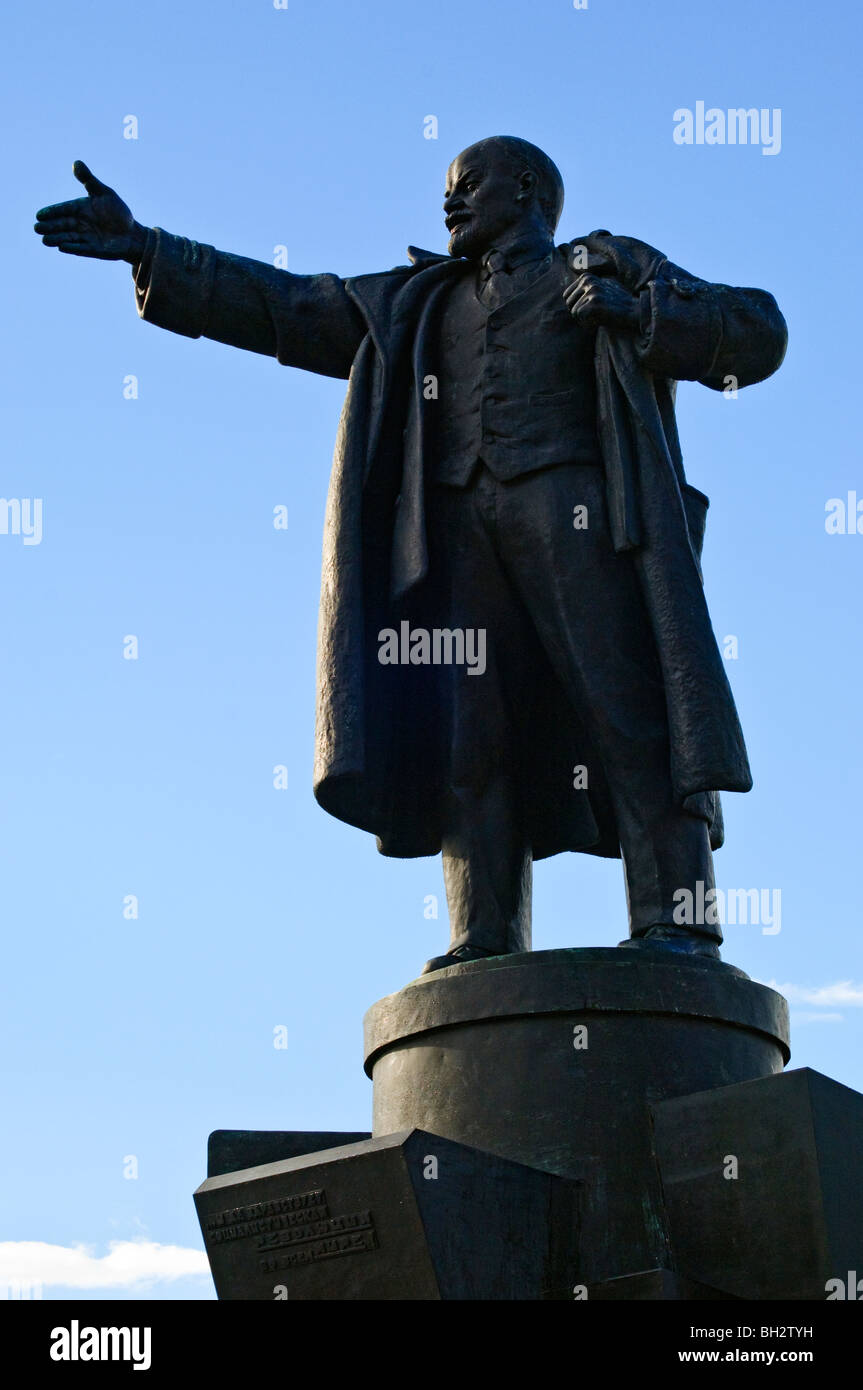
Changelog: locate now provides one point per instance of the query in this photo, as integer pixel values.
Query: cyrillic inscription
(237, 1222)
(300, 1226)
(333, 1225)
(351, 1244)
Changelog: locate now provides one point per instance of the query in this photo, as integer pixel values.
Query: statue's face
(482, 202)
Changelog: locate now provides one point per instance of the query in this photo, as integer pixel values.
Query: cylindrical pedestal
(553, 1058)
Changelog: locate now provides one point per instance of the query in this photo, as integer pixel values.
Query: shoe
(460, 956)
(677, 939)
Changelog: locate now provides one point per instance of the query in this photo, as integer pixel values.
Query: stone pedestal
(607, 1124)
(554, 1058)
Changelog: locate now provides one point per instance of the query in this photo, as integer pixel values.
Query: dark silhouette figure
(515, 653)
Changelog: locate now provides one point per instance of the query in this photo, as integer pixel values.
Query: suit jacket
(375, 765)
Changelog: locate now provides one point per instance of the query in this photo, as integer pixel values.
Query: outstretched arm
(306, 321)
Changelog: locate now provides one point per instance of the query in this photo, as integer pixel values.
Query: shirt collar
(526, 251)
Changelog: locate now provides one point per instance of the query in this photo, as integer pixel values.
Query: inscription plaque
(419, 1216)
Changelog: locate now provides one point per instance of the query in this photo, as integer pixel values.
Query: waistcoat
(516, 386)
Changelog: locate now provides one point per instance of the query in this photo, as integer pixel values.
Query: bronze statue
(515, 653)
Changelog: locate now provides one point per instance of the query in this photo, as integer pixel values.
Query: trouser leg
(487, 870)
(589, 612)
(487, 862)
(664, 850)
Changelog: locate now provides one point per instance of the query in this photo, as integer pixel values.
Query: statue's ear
(527, 186)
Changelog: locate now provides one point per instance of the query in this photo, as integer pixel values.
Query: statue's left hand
(596, 300)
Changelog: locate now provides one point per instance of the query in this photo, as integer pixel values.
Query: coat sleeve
(692, 330)
(306, 321)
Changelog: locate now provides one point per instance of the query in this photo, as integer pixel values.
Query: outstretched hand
(100, 225)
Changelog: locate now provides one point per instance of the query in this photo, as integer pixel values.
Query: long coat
(378, 761)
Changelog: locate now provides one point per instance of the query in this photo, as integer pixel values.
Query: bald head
(498, 188)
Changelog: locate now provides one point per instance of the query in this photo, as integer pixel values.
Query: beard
(472, 238)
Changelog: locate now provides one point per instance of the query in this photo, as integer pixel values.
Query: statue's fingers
(79, 248)
(579, 287)
(70, 208)
(62, 238)
(585, 302)
(57, 224)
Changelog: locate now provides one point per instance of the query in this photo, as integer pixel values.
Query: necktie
(496, 285)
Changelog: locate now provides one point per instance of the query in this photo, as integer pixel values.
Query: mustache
(457, 219)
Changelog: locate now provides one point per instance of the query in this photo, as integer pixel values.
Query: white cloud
(842, 993)
(806, 1017)
(127, 1264)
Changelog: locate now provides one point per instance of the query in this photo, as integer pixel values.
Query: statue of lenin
(507, 481)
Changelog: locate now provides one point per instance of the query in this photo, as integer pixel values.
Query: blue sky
(303, 127)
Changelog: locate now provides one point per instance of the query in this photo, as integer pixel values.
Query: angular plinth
(553, 1058)
(763, 1186)
(230, 1149)
(411, 1216)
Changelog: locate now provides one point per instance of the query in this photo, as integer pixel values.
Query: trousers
(530, 564)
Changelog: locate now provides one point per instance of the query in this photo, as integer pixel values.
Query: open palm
(100, 225)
